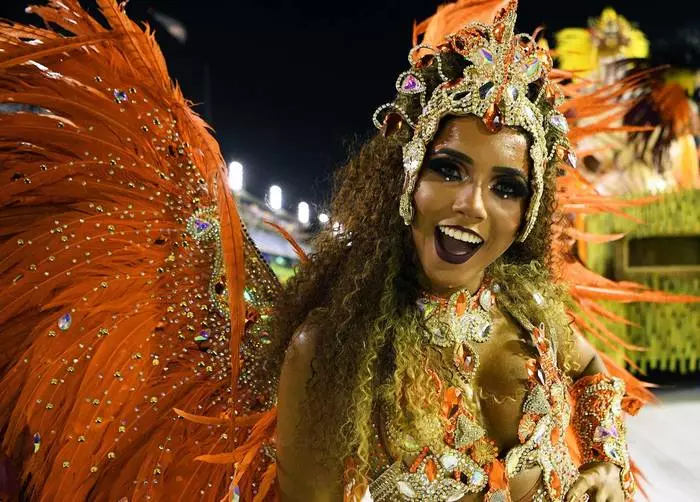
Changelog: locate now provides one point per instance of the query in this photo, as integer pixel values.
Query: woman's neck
(446, 291)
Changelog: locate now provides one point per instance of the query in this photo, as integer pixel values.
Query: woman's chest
(501, 382)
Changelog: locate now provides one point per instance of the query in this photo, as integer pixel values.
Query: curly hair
(359, 290)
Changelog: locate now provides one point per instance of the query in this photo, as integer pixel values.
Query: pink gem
(410, 83)
(602, 433)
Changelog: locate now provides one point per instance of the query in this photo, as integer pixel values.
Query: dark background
(288, 86)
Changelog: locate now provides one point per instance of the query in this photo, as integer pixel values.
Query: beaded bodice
(470, 462)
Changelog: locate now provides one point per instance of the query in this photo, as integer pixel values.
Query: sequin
(37, 442)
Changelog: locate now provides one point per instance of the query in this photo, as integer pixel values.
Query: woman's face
(470, 202)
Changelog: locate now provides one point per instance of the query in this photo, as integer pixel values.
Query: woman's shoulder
(302, 345)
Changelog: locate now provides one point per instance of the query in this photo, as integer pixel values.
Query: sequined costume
(134, 304)
(124, 269)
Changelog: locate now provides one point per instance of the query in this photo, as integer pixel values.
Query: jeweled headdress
(504, 82)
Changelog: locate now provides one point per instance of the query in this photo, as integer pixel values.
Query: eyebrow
(501, 170)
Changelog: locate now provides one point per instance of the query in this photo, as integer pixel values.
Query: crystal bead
(411, 84)
(559, 121)
(612, 450)
(498, 31)
(555, 484)
(431, 470)
(203, 336)
(513, 92)
(120, 96)
(486, 90)
(477, 478)
(482, 332)
(65, 321)
(486, 299)
(464, 359)
(201, 225)
(493, 119)
(529, 114)
(603, 433)
(533, 70)
(449, 461)
(405, 489)
(486, 55)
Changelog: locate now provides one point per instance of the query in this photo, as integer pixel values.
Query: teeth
(461, 236)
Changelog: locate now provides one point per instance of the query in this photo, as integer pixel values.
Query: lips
(452, 250)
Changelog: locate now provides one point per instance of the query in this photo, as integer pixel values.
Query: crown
(504, 82)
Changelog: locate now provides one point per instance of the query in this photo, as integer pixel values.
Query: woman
(435, 350)
(424, 353)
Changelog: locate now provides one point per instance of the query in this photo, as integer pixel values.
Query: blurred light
(235, 176)
(275, 197)
(323, 218)
(303, 213)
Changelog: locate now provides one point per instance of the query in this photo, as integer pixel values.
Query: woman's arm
(600, 430)
(586, 360)
(300, 478)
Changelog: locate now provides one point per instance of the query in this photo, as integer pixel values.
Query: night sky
(293, 84)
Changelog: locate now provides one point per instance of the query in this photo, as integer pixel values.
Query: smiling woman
(426, 354)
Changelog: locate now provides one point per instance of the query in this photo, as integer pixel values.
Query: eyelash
(505, 188)
(449, 171)
(510, 189)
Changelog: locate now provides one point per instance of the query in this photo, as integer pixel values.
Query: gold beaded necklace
(457, 322)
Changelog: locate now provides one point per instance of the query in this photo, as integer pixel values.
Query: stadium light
(275, 198)
(235, 176)
(303, 213)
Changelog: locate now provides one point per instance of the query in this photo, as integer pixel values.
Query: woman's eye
(510, 188)
(448, 170)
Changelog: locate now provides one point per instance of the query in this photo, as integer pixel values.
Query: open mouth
(456, 245)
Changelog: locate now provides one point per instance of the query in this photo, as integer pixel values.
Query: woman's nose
(470, 202)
